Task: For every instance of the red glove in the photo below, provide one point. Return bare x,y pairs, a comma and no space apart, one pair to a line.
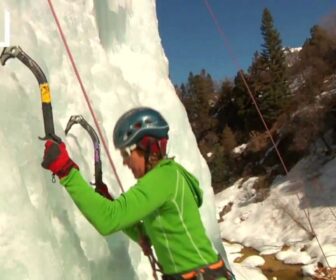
57,160
102,189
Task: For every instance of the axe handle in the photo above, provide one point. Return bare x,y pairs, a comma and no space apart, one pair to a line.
17,52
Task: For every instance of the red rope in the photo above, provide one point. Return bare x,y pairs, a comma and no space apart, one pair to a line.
233,57
151,257
85,93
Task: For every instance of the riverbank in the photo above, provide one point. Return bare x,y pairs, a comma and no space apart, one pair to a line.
277,225
272,267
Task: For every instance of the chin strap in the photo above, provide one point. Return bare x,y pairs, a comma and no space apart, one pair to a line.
152,146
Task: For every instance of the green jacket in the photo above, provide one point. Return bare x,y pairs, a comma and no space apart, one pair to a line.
166,199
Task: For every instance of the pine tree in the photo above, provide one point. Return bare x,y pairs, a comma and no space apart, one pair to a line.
221,109
228,140
183,91
199,89
317,60
247,114
273,91
259,74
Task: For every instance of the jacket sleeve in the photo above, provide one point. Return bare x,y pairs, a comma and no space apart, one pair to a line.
111,216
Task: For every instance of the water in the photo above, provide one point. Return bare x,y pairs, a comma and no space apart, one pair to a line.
274,269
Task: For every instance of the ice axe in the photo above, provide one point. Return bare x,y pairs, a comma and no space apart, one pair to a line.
100,185
102,188
17,52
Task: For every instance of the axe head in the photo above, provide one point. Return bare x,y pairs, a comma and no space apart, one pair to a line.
73,120
9,52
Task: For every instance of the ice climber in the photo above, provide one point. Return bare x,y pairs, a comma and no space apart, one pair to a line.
165,199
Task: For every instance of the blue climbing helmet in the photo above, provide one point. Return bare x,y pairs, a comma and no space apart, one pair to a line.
137,123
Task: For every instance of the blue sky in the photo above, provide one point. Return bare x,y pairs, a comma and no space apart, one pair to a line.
191,41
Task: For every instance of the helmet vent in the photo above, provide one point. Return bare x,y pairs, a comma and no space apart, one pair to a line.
148,121
138,125
129,133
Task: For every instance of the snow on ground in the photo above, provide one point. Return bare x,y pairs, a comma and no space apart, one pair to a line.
281,219
240,149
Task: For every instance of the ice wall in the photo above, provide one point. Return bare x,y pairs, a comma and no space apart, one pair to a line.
118,52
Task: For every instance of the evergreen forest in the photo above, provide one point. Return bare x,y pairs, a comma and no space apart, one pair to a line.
265,119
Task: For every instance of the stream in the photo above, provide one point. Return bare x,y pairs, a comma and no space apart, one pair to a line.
273,269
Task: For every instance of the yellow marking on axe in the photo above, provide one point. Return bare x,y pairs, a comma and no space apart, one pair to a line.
45,93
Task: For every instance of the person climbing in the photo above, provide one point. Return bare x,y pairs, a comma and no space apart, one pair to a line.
165,199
